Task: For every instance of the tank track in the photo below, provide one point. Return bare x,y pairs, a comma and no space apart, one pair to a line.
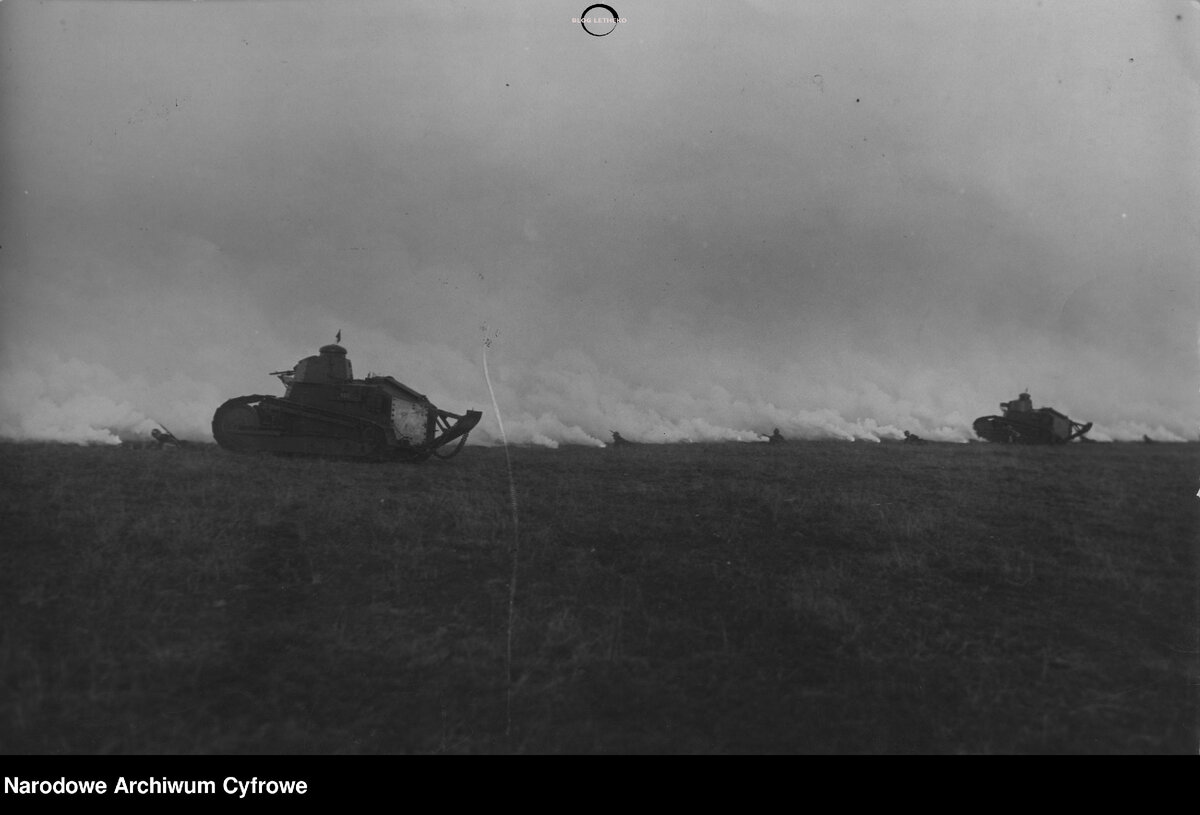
268,424
1002,430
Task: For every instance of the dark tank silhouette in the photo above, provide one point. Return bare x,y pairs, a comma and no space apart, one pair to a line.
1021,424
620,441
325,411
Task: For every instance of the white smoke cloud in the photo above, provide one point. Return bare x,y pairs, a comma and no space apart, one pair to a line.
570,399
48,398
544,431
1135,431
567,399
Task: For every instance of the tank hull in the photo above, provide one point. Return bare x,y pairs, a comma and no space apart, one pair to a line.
268,424
1035,427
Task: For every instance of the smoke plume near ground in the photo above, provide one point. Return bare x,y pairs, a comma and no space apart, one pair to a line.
67,400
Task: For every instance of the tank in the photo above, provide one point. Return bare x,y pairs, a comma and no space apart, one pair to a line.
1021,424
325,411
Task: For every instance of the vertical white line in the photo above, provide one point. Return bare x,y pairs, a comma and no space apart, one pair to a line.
514,551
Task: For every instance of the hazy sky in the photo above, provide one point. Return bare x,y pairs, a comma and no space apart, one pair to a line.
840,218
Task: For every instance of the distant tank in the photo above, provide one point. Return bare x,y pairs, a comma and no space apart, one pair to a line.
1021,424
327,412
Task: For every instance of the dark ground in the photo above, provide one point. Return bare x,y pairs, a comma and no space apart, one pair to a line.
820,597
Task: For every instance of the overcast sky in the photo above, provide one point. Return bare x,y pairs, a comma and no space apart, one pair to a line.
842,219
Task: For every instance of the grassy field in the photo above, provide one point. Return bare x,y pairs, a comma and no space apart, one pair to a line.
809,597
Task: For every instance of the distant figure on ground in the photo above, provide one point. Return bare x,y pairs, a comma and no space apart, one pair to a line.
1147,439
776,437
912,438
165,437
618,441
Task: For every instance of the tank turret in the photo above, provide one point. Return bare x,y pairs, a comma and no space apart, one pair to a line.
330,366
1022,404
325,411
